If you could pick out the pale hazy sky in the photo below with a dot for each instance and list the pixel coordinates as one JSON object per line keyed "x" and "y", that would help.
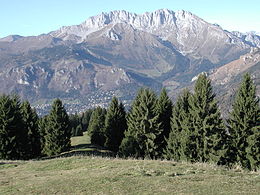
{"x": 33, "y": 17}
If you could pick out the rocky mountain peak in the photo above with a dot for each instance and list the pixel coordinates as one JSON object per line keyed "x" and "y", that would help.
{"x": 149, "y": 21}
{"x": 113, "y": 17}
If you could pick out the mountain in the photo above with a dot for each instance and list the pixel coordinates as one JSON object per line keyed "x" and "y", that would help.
{"x": 227, "y": 78}
{"x": 116, "y": 53}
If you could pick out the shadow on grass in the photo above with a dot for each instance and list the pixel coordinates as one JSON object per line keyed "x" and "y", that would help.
{"x": 84, "y": 146}
{"x": 84, "y": 150}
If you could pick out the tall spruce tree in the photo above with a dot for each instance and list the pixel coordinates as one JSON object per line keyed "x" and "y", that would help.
{"x": 96, "y": 128}
{"x": 85, "y": 119}
{"x": 13, "y": 135}
{"x": 208, "y": 134}
{"x": 30, "y": 119}
{"x": 57, "y": 138}
{"x": 143, "y": 127}
{"x": 244, "y": 126}
{"x": 115, "y": 125}
{"x": 177, "y": 142}
{"x": 42, "y": 124}
{"x": 164, "y": 109}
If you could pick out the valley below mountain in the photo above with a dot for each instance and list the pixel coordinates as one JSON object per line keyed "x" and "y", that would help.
{"x": 118, "y": 52}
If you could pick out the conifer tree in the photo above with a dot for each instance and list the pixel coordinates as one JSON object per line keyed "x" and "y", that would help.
{"x": 42, "y": 124}
{"x": 22, "y": 133}
{"x": 30, "y": 120}
{"x": 85, "y": 119}
{"x": 57, "y": 138}
{"x": 164, "y": 109}
{"x": 208, "y": 134}
{"x": 75, "y": 125}
{"x": 143, "y": 127}
{"x": 177, "y": 142}
{"x": 115, "y": 125}
{"x": 78, "y": 130}
{"x": 96, "y": 126}
{"x": 253, "y": 149}
{"x": 244, "y": 126}
{"x": 13, "y": 136}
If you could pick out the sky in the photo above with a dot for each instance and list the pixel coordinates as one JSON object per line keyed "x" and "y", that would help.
{"x": 34, "y": 17}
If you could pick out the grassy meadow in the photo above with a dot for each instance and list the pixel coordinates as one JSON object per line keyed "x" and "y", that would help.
{"x": 85, "y": 171}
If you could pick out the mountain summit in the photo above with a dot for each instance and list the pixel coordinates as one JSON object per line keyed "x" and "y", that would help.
{"x": 161, "y": 22}
{"x": 116, "y": 53}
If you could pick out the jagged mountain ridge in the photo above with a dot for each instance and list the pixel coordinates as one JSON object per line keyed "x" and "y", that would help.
{"x": 160, "y": 22}
{"x": 120, "y": 52}
{"x": 184, "y": 30}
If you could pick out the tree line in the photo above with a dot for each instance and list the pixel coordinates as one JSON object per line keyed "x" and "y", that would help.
{"x": 191, "y": 130}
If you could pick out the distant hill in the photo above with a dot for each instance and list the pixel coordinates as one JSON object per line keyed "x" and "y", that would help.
{"x": 227, "y": 78}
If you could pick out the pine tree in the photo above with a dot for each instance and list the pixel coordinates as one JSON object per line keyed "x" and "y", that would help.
{"x": 57, "y": 138}
{"x": 208, "y": 134}
{"x": 13, "y": 136}
{"x": 115, "y": 125}
{"x": 253, "y": 149}
{"x": 79, "y": 130}
{"x": 85, "y": 119}
{"x": 180, "y": 129}
{"x": 244, "y": 126}
{"x": 75, "y": 125}
{"x": 96, "y": 126}
{"x": 22, "y": 133}
{"x": 164, "y": 110}
{"x": 143, "y": 127}
{"x": 42, "y": 124}
{"x": 30, "y": 120}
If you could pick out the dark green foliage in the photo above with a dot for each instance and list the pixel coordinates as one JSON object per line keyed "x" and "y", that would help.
{"x": 129, "y": 147}
{"x": 77, "y": 131}
{"x": 253, "y": 149}
{"x": 143, "y": 127}
{"x": 176, "y": 148}
{"x": 164, "y": 110}
{"x": 13, "y": 135}
{"x": 57, "y": 138}
{"x": 76, "y": 125}
{"x": 42, "y": 124}
{"x": 244, "y": 126}
{"x": 85, "y": 119}
{"x": 30, "y": 120}
{"x": 96, "y": 126}
{"x": 115, "y": 125}
{"x": 208, "y": 136}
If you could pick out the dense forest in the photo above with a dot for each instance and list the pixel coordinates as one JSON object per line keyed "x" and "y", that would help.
{"x": 191, "y": 130}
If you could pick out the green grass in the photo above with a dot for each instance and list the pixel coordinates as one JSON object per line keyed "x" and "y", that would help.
{"x": 97, "y": 175}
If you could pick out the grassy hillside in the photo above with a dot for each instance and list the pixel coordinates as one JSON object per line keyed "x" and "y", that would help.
{"x": 97, "y": 175}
